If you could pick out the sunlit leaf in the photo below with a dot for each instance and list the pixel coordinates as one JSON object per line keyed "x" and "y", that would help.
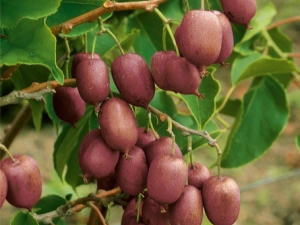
{"x": 23, "y": 218}
{"x": 265, "y": 114}
{"x": 49, "y": 203}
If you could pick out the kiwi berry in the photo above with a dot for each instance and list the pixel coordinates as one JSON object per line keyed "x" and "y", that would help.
{"x": 198, "y": 174}
{"x": 80, "y": 57}
{"x": 145, "y": 137}
{"x": 154, "y": 214}
{"x": 3, "y": 188}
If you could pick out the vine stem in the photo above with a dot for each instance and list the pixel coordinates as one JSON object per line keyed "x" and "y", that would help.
{"x": 95, "y": 208}
{"x": 282, "y": 22}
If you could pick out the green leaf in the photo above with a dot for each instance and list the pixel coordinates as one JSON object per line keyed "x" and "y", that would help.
{"x": 231, "y": 107}
{"x": 50, "y": 111}
{"x": 259, "y": 22}
{"x": 37, "y": 109}
{"x": 280, "y": 39}
{"x": 257, "y": 65}
{"x": 49, "y": 203}
{"x": 30, "y": 42}
{"x": 23, "y": 218}
{"x": 298, "y": 142}
{"x": 265, "y": 114}
{"x": 203, "y": 109}
{"x": 14, "y": 10}
{"x": 68, "y": 142}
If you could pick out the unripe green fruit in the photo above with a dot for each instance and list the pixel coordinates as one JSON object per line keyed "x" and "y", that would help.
{"x": 68, "y": 105}
{"x": 188, "y": 209}
{"x": 133, "y": 79}
{"x": 118, "y": 124}
{"x": 199, "y": 38}
{"x": 221, "y": 200}
{"x": 24, "y": 181}
{"x": 227, "y": 38}
{"x": 80, "y": 57}
{"x": 92, "y": 81}
{"x": 239, "y": 11}
{"x": 166, "y": 179}
{"x": 3, "y": 188}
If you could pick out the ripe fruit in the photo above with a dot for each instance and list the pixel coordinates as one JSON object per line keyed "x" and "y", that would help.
{"x": 188, "y": 209}
{"x": 182, "y": 76}
{"x": 161, "y": 146}
{"x": 239, "y": 12}
{"x": 68, "y": 105}
{"x": 221, "y": 200}
{"x": 199, "y": 38}
{"x": 166, "y": 179}
{"x": 227, "y": 38}
{"x": 154, "y": 214}
{"x": 158, "y": 65}
{"x": 107, "y": 183}
{"x": 80, "y": 57}
{"x": 131, "y": 171}
{"x": 97, "y": 159}
{"x": 92, "y": 81}
{"x": 118, "y": 124}
{"x": 145, "y": 137}
{"x": 3, "y": 188}
{"x": 24, "y": 181}
{"x": 133, "y": 79}
{"x": 198, "y": 174}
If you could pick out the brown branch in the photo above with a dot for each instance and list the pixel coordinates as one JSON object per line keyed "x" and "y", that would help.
{"x": 282, "y": 22}
{"x": 108, "y": 6}
{"x": 293, "y": 54}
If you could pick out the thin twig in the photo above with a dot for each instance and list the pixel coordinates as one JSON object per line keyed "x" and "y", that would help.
{"x": 282, "y": 22}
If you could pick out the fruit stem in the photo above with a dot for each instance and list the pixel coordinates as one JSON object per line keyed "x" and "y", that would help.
{"x": 94, "y": 45}
{"x": 105, "y": 30}
{"x": 67, "y": 58}
{"x": 151, "y": 126}
{"x": 167, "y": 26}
{"x": 187, "y": 6}
{"x": 190, "y": 150}
{"x": 138, "y": 207}
{"x": 85, "y": 39}
{"x": 229, "y": 92}
{"x": 219, "y": 153}
{"x": 172, "y": 135}
{"x": 3, "y": 147}
{"x": 202, "y": 7}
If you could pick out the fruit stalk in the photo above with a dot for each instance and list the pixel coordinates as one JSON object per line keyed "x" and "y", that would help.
{"x": 3, "y": 147}
{"x": 151, "y": 126}
{"x": 172, "y": 135}
{"x": 68, "y": 52}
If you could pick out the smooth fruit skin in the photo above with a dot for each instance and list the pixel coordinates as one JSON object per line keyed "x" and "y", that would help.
{"x": 118, "y": 124}
{"x": 188, "y": 209}
{"x": 145, "y": 137}
{"x": 182, "y": 76}
{"x": 3, "y": 188}
{"x": 92, "y": 80}
{"x": 131, "y": 171}
{"x": 80, "y": 57}
{"x": 158, "y": 65}
{"x": 198, "y": 174}
{"x": 68, "y": 105}
{"x": 166, "y": 179}
{"x": 239, "y": 11}
{"x": 133, "y": 79}
{"x": 24, "y": 181}
{"x": 227, "y": 38}
{"x": 221, "y": 200}
{"x": 199, "y": 38}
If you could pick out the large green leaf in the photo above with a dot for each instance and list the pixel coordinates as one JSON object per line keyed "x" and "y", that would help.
{"x": 265, "y": 114}
{"x": 23, "y": 218}
{"x": 257, "y": 65}
{"x": 203, "y": 109}
{"x": 49, "y": 203}
{"x": 68, "y": 142}
{"x": 30, "y": 42}
{"x": 13, "y": 10}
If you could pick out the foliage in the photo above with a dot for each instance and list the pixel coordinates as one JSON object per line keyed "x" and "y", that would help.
{"x": 260, "y": 56}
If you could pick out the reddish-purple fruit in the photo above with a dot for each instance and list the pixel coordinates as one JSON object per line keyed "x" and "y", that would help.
{"x": 145, "y": 137}
{"x": 182, "y": 76}
{"x": 68, "y": 105}
{"x": 133, "y": 79}
{"x": 3, "y": 188}
{"x": 221, "y": 200}
{"x": 154, "y": 214}
{"x": 198, "y": 174}
{"x": 188, "y": 209}
{"x": 107, "y": 183}
{"x": 199, "y": 38}
{"x": 166, "y": 179}
{"x": 161, "y": 146}
{"x": 227, "y": 38}
{"x": 158, "y": 65}
{"x": 88, "y": 138}
{"x": 129, "y": 218}
{"x": 80, "y": 57}
{"x": 131, "y": 171}
{"x": 239, "y": 11}
{"x": 24, "y": 181}
{"x": 92, "y": 81}
{"x": 118, "y": 124}
{"x": 97, "y": 159}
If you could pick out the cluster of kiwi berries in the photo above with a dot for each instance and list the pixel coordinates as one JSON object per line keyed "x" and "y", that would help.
{"x": 120, "y": 153}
